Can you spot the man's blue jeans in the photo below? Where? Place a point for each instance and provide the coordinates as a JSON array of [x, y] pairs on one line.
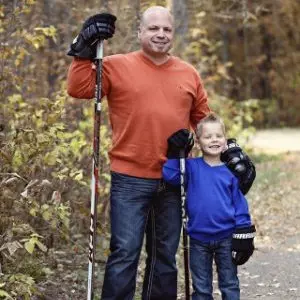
[[201, 261], [140, 206]]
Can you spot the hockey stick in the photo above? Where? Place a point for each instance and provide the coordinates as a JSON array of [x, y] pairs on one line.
[[184, 227], [95, 171]]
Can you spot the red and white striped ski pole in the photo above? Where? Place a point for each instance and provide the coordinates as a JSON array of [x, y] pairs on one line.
[[95, 171]]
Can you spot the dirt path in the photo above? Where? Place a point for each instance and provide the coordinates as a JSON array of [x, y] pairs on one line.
[[277, 140], [273, 274]]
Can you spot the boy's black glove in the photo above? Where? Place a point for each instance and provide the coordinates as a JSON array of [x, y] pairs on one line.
[[242, 244], [239, 164], [100, 26], [180, 144]]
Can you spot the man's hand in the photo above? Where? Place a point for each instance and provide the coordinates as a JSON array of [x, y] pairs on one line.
[[180, 144], [239, 164], [242, 244], [97, 27]]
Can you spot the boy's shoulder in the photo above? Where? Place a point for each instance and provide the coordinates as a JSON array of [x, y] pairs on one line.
[[199, 162], [195, 162]]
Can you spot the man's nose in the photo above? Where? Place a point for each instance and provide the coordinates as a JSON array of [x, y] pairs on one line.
[[161, 32]]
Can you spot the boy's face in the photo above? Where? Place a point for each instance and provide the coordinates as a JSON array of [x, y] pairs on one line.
[[212, 139]]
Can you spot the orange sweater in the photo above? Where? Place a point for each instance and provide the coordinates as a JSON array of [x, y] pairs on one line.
[[147, 103]]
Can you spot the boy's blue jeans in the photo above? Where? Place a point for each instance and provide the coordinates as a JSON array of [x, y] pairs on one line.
[[140, 206], [201, 262]]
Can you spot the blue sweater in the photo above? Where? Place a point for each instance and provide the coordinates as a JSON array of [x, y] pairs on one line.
[[215, 204]]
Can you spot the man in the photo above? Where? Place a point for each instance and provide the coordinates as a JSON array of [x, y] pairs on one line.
[[150, 95]]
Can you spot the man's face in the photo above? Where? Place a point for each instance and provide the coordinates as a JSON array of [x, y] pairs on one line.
[[156, 33]]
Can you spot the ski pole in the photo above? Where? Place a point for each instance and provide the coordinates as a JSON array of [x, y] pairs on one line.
[[184, 226], [106, 28], [95, 171]]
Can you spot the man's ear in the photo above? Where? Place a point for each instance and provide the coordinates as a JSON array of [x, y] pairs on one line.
[[139, 32]]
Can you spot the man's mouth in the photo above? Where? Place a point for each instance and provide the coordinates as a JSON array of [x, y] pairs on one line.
[[160, 43]]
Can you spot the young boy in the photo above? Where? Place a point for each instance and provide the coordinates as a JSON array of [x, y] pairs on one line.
[[219, 223]]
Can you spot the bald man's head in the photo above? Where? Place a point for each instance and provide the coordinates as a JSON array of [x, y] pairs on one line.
[[156, 32], [153, 10]]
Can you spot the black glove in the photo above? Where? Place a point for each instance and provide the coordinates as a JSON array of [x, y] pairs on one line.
[[101, 26], [242, 244], [239, 164], [180, 144]]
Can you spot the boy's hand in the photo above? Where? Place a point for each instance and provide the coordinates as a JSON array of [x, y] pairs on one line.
[[180, 144], [239, 164], [242, 244]]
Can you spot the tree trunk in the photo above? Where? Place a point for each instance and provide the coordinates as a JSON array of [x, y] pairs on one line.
[[179, 10], [246, 51]]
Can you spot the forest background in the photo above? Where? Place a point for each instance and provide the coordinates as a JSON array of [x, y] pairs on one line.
[[247, 52]]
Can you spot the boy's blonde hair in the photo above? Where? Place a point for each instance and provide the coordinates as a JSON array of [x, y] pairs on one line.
[[210, 118]]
